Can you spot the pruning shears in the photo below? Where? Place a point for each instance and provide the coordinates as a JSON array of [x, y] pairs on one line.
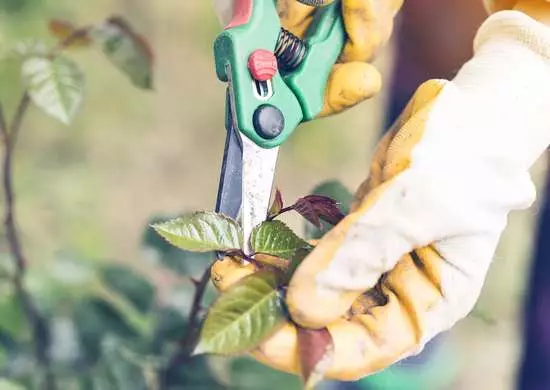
[[275, 82]]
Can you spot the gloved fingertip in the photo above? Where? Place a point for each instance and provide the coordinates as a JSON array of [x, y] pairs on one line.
[[350, 84]]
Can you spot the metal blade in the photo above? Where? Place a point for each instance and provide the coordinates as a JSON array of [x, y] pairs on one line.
[[247, 174], [258, 174], [230, 188]]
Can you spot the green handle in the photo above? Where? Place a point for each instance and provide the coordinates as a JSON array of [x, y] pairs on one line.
[[299, 95], [325, 40]]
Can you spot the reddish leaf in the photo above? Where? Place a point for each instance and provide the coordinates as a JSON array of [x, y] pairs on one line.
[[316, 351], [127, 50], [67, 33], [276, 206], [306, 210], [139, 40], [317, 207], [60, 28]]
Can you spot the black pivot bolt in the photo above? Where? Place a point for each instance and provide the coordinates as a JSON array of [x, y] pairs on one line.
[[268, 121]]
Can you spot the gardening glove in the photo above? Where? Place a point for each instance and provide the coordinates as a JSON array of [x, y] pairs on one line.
[[368, 25], [410, 259], [425, 226]]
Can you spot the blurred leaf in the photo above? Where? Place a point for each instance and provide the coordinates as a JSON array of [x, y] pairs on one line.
[[30, 48], [171, 325], [96, 319], [277, 239], [56, 86], [65, 343], [69, 34], [194, 374], [116, 370], [129, 284], [337, 191], [60, 28], [12, 318], [316, 352], [12, 6], [248, 374], [202, 232], [7, 342], [277, 205], [9, 385], [315, 208], [127, 50], [243, 316]]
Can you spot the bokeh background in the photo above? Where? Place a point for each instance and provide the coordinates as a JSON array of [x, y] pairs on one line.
[[86, 191]]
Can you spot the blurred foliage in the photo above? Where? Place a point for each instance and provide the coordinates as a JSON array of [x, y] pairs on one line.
[[116, 334]]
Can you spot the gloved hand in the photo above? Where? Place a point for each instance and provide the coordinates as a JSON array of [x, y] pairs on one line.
[[411, 258], [368, 25], [425, 227]]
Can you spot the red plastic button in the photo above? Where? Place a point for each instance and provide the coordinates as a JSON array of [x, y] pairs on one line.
[[262, 65]]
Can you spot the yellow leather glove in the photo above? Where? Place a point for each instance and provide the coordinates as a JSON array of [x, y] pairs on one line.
[[410, 259], [368, 25]]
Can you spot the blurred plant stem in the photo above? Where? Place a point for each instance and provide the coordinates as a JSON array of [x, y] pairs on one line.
[[40, 332], [189, 340]]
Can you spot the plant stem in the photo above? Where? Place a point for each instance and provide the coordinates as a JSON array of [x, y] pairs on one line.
[[38, 324], [282, 211], [189, 340]]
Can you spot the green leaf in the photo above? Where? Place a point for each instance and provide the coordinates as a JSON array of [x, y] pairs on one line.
[[95, 319], [56, 86], [12, 318], [202, 232], [132, 286], [337, 191], [243, 316], [162, 253], [170, 325], [29, 48], [127, 50], [120, 368], [277, 239]]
